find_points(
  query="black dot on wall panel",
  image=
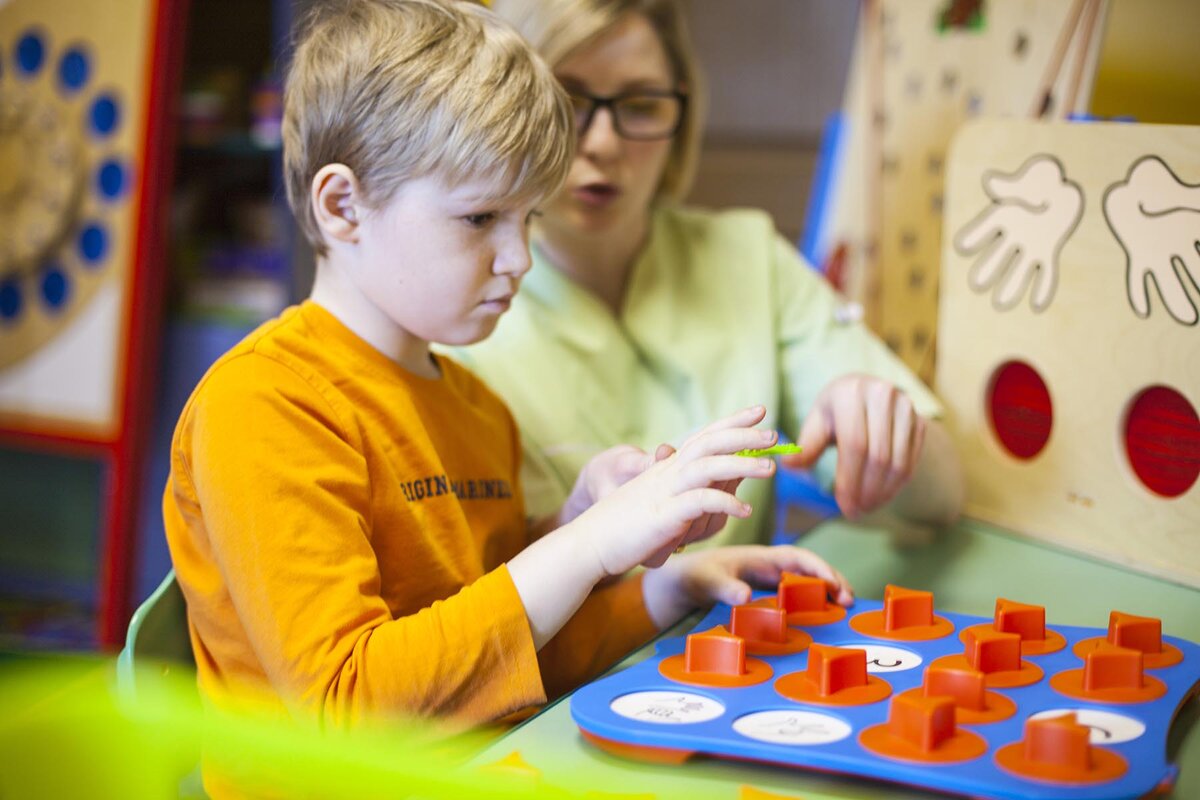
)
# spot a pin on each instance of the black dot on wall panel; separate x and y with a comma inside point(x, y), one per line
point(916, 278)
point(1021, 44)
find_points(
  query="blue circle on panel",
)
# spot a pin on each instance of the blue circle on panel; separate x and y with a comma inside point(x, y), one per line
point(54, 286)
point(30, 53)
point(93, 243)
point(73, 69)
point(110, 179)
point(105, 115)
point(10, 299)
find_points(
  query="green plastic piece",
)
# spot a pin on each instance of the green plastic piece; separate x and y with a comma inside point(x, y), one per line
point(777, 450)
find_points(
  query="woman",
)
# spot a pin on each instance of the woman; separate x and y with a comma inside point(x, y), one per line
point(641, 319)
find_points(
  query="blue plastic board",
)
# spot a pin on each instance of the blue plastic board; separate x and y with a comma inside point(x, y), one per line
point(638, 706)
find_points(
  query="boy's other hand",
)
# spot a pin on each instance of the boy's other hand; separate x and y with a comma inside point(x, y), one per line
point(601, 476)
point(728, 575)
point(643, 520)
point(878, 435)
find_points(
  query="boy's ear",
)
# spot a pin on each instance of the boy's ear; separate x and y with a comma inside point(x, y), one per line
point(337, 202)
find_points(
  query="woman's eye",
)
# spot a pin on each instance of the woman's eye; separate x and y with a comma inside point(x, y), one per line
point(479, 220)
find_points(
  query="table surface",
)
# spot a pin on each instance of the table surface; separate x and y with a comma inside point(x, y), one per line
point(966, 567)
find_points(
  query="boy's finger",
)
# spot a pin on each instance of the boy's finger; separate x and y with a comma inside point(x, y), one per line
point(726, 441)
point(716, 472)
point(743, 418)
point(687, 506)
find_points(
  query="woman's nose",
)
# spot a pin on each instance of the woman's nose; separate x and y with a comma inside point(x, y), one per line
point(601, 139)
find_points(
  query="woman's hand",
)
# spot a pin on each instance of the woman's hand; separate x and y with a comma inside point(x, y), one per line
point(878, 435)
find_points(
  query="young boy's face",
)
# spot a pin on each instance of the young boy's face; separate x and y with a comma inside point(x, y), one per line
point(444, 263)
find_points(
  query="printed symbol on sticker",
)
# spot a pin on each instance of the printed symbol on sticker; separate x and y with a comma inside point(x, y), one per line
point(673, 708)
point(792, 727)
point(882, 658)
point(1105, 727)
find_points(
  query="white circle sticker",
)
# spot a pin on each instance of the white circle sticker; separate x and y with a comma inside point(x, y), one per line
point(882, 658)
point(667, 708)
point(792, 727)
point(1106, 727)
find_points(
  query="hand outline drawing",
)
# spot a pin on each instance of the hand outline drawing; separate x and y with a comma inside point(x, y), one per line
point(1017, 239)
point(1156, 218)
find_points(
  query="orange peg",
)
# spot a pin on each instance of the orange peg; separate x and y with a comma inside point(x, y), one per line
point(715, 657)
point(924, 722)
point(922, 729)
point(1138, 633)
point(993, 651)
point(801, 593)
point(716, 651)
point(760, 623)
point(1028, 622)
point(766, 631)
point(907, 615)
point(1110, 674)
point(964, 686)
point(996, 654)
point(1143, 634)
point(832, 669)
point(906, 608)
point(1111, 667)
point(1059, 750)
point(835, 676)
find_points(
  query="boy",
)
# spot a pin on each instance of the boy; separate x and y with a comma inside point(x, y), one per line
point(343, 510)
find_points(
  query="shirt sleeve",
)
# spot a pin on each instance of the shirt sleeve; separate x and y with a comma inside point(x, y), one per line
point(286, 501)
point(815, 346)
point(611, 623)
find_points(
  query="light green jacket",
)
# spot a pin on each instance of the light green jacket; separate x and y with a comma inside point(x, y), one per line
point(720, 313)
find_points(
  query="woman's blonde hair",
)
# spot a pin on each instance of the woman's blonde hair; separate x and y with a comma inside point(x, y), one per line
point(557, 28)
point(402, 89)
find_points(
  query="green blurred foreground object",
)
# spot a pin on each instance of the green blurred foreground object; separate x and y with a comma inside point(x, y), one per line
point(777, 450)
point(65, 732)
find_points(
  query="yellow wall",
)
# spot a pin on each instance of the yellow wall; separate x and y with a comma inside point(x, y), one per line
point(1148, 66)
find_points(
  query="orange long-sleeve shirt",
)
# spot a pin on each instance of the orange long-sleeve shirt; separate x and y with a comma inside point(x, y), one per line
point(340, 526)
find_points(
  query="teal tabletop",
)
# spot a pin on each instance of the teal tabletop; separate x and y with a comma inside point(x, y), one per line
point(967, 567)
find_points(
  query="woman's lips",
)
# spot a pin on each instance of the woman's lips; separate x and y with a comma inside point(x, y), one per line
point(596, 195)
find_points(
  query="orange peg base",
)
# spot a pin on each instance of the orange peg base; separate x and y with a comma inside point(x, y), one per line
point(715, 658)
point(1137, 633)
point(836, 676)
point(1110, 674)
point(805, 600)
point(907, 615)
point(997, 655)
point(922, 729)
point(1058, 750)
point(1028, 622)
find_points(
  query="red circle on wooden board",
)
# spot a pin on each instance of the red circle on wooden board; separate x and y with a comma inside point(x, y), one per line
point(1020, 409)
point(1162, 441)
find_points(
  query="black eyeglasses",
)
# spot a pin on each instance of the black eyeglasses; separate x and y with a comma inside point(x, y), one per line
point(642, 115)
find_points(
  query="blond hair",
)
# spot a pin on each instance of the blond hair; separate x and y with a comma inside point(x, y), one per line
point(557, 28)
point(403, 89)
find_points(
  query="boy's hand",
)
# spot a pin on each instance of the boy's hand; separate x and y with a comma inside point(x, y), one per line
point(646, 518)
point(601, 475)
point(878, 436)
point(727, 575)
